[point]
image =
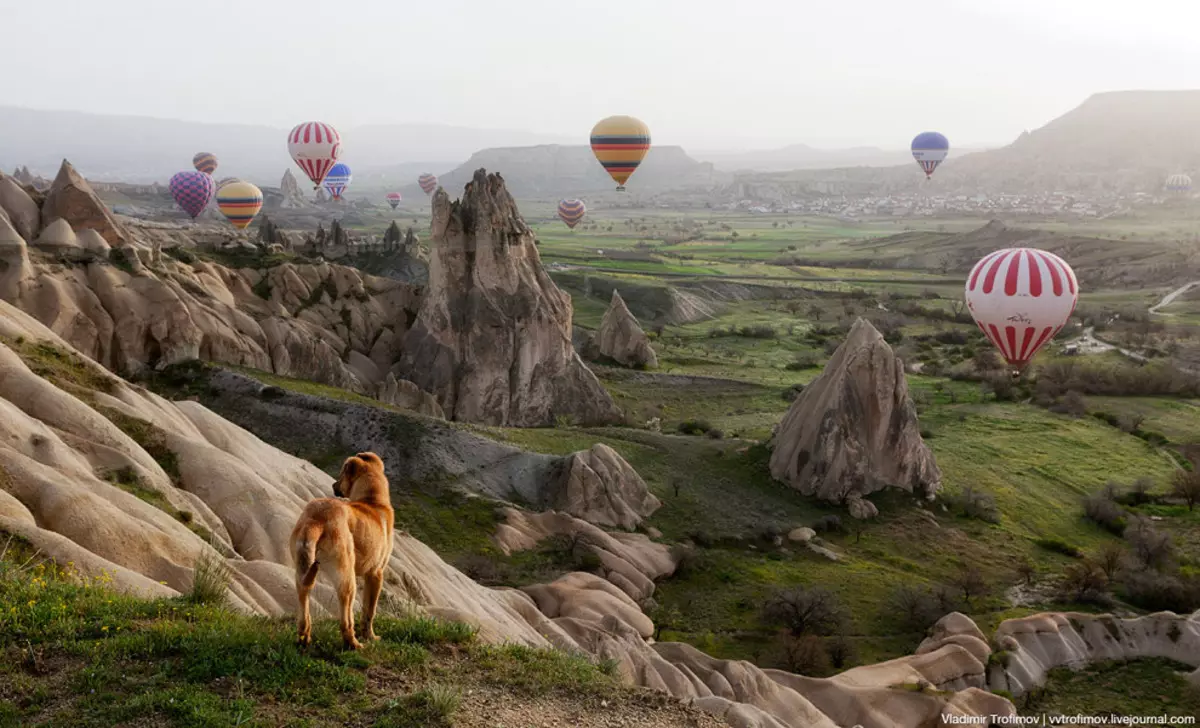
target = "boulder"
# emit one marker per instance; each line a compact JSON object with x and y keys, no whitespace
{"x":804,"y":534}
{"x":492,"y":339}
{"x":72,"y":198}
{"x":21,"y":209}
{"x":403,"y":393}
{"x":621,"y":338}
{"x":599,"y":487}
{"x":854,"y":430}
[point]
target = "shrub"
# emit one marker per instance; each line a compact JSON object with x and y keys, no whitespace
{"x":803,"y":610}
{"x":1059,"y":546}
{"x":1110,"y":559}
{"x":804,"y":360}
{"x":715,"y":434}
{"x":791,"y":393}
{"x":841,"y":651}
{"x":972,"y":503}
{"x":1138,"y":494}
{"x":916,"y":608}
{"x":1152,"y":547}
{"x":210,"y":579}
{"x":971,"y":582}
{"x":1185,"y":485}
{"x":1104,"y":512}
{"x":805,"y":655}
{"x":757,"y":332}
{"x":694,"y":427}
{"x":1162,"y":592}
{"x":1084,"y":582}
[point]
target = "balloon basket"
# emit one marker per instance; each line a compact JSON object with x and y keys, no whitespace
{"x":620,"y":188}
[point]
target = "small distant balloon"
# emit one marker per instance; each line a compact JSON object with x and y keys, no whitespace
{"x":205,"y":162}
{"x":571,"y":212}
{"x":1179,"y":183}
{"x":239,"y":202}
{"x":1021,"y":298}
{"x":620,"y":144}
{"x":315,"y":146}
{"x":337,"y":180}
{"x":428,"y":183}
{"x":192,"y":191}
{"x":929,"y":149}
{"x":393,"y":199}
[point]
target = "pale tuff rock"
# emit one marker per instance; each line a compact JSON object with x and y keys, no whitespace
{"x":403,"y":393}
{"x":854,"y":430}
{"x":290,"y":190}
{"x":72,"y":198}
{"x":600,"y":487}
{"x":621,"y":339}
{"x":93,"y":242}
{"x":493,"y":337}
{"x":19,"y":208}
{"x":57,"y":236}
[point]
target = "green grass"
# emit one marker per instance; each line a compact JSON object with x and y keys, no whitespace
{"x":1142,"y":687}
{"x":76,"y":653}
{"x":62,"y":368}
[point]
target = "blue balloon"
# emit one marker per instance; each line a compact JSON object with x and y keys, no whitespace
{"x":929,"y":149}
{"x":337,"y":180}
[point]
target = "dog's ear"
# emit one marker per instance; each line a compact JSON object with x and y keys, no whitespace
{"x":371,"y":458}
{"x":350,"y":469}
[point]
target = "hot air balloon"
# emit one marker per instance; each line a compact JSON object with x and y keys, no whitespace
{"x":192,"y":191}
{"x":205,"y":162}
{"x":226,"y":180}
{"x":1179,"y":183}
{"x":239,"y":202}
{"x":428,"y":183}
{"x":315,"y":146}
{"x":571,"y":212}
{"x":393,"y":199}
{"x":337,"y":180}
{"x":929,"y":149}
{"x":620,"y":143}
{"x":1021,"y":298}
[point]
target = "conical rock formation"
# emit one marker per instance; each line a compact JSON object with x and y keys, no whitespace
{"x":854,"y":430}
{"x":19,"y":208}
{"x":72,"y":198}
{"x":493,"y":337}
{"x":621,"y":338}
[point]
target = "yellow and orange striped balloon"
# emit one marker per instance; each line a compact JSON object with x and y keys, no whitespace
{"x":620,"y":143}
{"x":239,"y":202}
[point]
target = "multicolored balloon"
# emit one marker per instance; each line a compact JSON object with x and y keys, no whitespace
{"x":393,"y":199}
{"x":571,"y":212}
{"x":205,"y":162}
{"x":239,"y":202}
{"x":226,"y":180}
{"x":929,"y":149}
{"x":192,"y":191}
{"x":337,"y":180}
{"x":428,"y":183}
{"x":620,"y":143}
{"x":1179,"y":183}
{"x":315,"y":146}
{"x":1021,"y":298}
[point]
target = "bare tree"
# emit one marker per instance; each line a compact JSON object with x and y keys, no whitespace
{"x":971,"y":582}
{"x":1152,"y":547}
{"x":1084,"y":581}
{"x":1026,"y":571}
{"x":805,"y":655}
{"x":1185,"y":484}
{"x":804,"y":610}
{"x":1110,"y":559}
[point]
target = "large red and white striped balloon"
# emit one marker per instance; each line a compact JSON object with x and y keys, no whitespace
{"x":315,"y":146}
{"x":1021,"y":298}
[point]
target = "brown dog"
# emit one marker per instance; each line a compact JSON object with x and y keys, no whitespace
{"x":354,"y":537}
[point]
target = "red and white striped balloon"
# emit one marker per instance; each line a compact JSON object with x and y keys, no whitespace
{"x":1021,"y":298}
{"x":315,"y":146}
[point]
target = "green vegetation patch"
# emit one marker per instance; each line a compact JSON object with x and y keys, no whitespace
{"x":1141,"y":687}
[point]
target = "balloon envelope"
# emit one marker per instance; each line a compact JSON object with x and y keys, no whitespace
{"x":929,"y":149}
{"x":239,"y":202}
{"x":337,"y":180}
{"x":620,"y":143}
{"x":393,"y":199}
{"x":205,"y":162}
{"x":428,"y":183}
{"x":314,"y":146}
{"x":226,"y":180}
{"x":1021,"y":298}
{"x":571,"y":212}
{"x":192,"y":191}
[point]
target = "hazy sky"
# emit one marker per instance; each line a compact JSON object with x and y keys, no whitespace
{"x":708,"y":74}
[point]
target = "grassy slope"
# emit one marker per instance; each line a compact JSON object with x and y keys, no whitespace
{"x":1140,"y":688}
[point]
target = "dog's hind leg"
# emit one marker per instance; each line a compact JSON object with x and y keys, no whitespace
{"x":304,"y":584}
{"x":345,"y":590}
{"x":372,"y":586}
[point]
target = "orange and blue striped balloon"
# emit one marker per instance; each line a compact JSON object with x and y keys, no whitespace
{"x":571,"y":212}
{"x":620,"y":143}
{"x":205,"y":162}
{"x":239,"y":202}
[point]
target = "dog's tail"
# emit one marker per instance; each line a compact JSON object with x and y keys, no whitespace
{"x":306,"y":553}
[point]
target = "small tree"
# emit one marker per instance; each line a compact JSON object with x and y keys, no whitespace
{"x":1110,"y":560}
{"x":1084,"y":581}
{"x":1152,"y":547}
{"x":803,"y":610}
{"x":841,"y":651}
{"x":1185,"y":485}
{"x":971,"y":582}
{"x":1026,"y":571}
{"x":805,"y":655}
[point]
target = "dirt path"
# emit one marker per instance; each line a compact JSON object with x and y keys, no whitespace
{"x":1170,"y":297}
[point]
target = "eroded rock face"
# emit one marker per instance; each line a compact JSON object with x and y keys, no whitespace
{"x":403,"y":393}
{"x":72,"y":198}
{"x":290,"y":190}
{"x":493,"y":336}
{"x":621,"y":339}
{"x":19,"y":208}
{"x":854,"y":430}
{"x":598,"y":486}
